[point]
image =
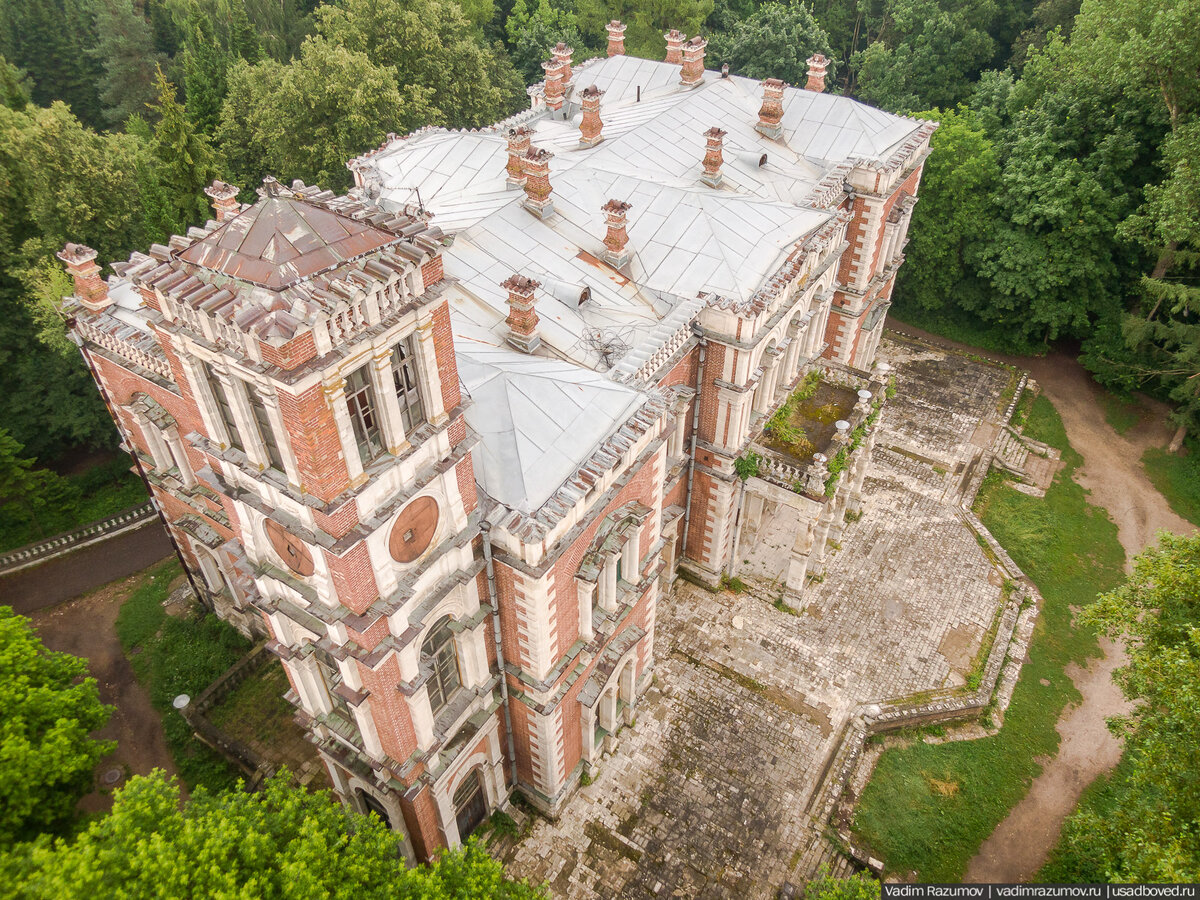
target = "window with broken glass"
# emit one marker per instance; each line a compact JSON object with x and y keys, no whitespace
{"x":266,"y":431}
{"x":439,"y":649}
{"x":224,"y":407}
{"x":408,"y":392}
{"x":364,"y":418}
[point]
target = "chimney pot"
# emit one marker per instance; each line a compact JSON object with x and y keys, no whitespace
{"x":713,"y":157}
{"x":590,"y":125}
{"x":771,"y":114}
{"x":693,"y":62}
{"x":522,"y":313}
{"x":818,"y":63}
{"x":224,"y":200}
{"x":616,"y":242}
{"x":555,"y":88}
{"x":90,"y":288}
{"x":675,"y":39}
{"x":518,"y":146}
{"x":616,"y":38}
{"x":562,"y":55}
{"x":536,"y":166}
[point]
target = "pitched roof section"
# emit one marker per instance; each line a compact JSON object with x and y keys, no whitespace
{"x":537,"y":420}
{"x":280,"y":241}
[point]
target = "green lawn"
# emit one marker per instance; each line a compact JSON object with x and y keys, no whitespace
{"x":1177,"y":478}
{"x":100,"y":492}
{"x":966,"y":329}
{"x":928,"y":807}
{"x":174,"y":655}
{"x":1121,"y":413}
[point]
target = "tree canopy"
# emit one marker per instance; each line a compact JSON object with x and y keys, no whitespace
{"x":48,"y":708}
{"x":280,"y":842}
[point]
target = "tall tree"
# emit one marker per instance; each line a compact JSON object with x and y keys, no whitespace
{"x":125,"y":50}
{"x":281,"y":842}
{"x":645,"y":22}
{"x":49,"y":39}
{"x":1148,"y":831}
{"x":774,"y":42}
{"x":434,"y":52}
{"x":304,"y":120}
{"x":16,"y":89}
{"x":952,"y":221}
{"x":533,"y":28}
{"x":186,"y":163}
{"x":48,"y":709}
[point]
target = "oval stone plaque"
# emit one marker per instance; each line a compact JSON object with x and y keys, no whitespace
{"x":290,"y":549}
{"x":414,"y":529}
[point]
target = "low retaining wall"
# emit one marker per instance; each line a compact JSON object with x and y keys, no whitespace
{"x":35,"y":554}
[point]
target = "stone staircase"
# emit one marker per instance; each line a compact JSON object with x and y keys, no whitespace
{"x":1033,"y":462}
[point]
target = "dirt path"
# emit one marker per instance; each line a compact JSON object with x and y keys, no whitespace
{"x":86,"y":627}
{"x":1112,"y":472}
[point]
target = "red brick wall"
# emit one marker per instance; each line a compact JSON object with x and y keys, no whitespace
{"x":314,"y":438}
{"x":464,"y":472}
{"x":294,"y":353}
{"x":443,"y":345}
{"x":421,"y":823}
{"x":343,"y":520}
{"x":389,"y":709}
{"x":354,"y":578}
{"x":433,"y":271}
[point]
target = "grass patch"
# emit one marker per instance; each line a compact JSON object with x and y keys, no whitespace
{"x":255,"y":709}
{"x":965,"y":329}
{"x":1121,"y":413}
{"x":174,"y":655}
{"x":100,"y":492}
{"x":1070,"y":550}
{"x":1177,"y":478}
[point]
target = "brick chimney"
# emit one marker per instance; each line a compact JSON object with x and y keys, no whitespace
{"x":693,"y":62}
{"x":771,"y":114}
{"x":536,"y":165}
{"x":616,"y":38}
{"x":554,"y":84}
{"x":590,"y":124}
{"x":518,"y":146}
{"x":616,"y":241}
{"x":522,"y":315}
{"x":675,"y":39}
{"x":713,"y":157}
{"x":562,"y":56}
{"x":89,"y":286}
{"x":817,"y":64}
{"x":224,"y":200}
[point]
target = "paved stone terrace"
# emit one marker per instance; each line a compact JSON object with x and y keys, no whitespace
{"x":707,"y":794}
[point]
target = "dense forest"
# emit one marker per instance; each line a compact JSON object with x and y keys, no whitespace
{"x":1062,"y":201}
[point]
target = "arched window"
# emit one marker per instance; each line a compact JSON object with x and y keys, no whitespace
{"x":440,"y":651}
{"x":470,"y":805}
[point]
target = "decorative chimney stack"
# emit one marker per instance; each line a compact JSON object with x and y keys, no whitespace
{"x":675,"y":39}
{"x":616,"y":241}
{"x":713,"y":157}
{"x":554,"y":84}
{"x":518,"y":146}
{"x":536,"y":165}
{"x":817,"y":64}
{"x":522,"y":315}
{"x":590,"y":125}
{"x":693,"y":62}
{"x":224,"y":200}
{"x":616,"y":38}
{"x":89,"y":286}
{"x":771,"y":114}
{"x":562,"y":56}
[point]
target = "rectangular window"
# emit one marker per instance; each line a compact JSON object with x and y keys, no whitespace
{"x":266,"y":432}
{"x":404,"y":376}
{"x":224,"y":407}
{"x":360,"y":397}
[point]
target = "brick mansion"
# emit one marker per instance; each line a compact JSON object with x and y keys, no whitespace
{"x":446,"y":442}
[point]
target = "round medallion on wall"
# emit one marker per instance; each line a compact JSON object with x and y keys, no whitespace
{"x":290,"y":549}
{"x":414,"y":529}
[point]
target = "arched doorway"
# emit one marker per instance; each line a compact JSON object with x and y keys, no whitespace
{"x":470,"y":805}
{"x":373,"y":805}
